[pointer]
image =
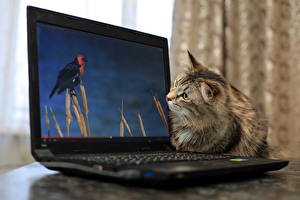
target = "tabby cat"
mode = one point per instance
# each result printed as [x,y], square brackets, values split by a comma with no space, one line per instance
[209,115]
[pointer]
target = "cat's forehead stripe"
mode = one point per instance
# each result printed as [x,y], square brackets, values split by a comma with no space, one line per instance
[205,75]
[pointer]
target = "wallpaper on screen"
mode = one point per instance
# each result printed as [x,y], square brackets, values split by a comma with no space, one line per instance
[117,71]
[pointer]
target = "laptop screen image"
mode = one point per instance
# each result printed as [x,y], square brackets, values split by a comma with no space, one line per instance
[94,86]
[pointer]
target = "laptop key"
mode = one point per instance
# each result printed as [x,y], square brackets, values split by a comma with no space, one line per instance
[126,159]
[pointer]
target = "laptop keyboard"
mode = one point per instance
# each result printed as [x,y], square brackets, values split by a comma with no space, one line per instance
[126,159]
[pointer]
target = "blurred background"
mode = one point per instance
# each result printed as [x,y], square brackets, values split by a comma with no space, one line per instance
[253,43]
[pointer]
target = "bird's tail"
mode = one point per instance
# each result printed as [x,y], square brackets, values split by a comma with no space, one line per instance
[53,91]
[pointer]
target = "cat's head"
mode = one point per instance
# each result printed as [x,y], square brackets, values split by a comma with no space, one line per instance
[198,93]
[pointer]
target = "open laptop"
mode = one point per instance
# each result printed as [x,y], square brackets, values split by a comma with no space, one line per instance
[97,105]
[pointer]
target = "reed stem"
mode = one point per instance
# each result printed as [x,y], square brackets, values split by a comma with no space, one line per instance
[126,124]
[141,125]
[121,129]
[69,117]
[85,108]
[47,121]
[57,127]
[123,119]
[78,114]
[161,112]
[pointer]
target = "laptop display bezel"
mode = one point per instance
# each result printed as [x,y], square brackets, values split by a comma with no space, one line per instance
[37,15]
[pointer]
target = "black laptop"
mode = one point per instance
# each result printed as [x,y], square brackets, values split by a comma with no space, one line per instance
[98,108]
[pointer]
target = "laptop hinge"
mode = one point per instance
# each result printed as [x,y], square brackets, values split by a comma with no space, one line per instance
[44,154]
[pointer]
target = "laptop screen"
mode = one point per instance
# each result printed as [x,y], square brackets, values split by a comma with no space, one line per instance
[94,86]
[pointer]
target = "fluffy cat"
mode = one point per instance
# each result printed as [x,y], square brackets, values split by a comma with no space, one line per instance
[209,115]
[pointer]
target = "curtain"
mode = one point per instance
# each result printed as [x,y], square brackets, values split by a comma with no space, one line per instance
[13,99]
[255,44]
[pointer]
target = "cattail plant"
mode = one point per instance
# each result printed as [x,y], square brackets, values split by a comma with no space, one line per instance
[68,112]
[57,127]
[121,129]
[124,122]
[47,120]
[160,112]
[85,108]
[78,114]
[141,125]
[121,122]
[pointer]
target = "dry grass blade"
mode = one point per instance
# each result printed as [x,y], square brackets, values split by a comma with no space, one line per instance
[121,122]
[84,99]
[80,121]
[68,112]
[79,116]
[57,127]
[47,120]
[126,124]
[161,112]
[85,107]
[141,125]
[75,100]
[163,116]
[83,125]
[121,129]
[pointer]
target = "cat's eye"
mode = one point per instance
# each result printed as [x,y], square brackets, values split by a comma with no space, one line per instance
[185,96]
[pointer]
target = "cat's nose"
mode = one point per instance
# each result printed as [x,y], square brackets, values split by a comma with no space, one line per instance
[170,96]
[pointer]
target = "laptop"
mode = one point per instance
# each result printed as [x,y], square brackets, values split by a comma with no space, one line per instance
[98,108]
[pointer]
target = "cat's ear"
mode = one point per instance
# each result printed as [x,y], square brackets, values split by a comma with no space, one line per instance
[207,92]
[195,65]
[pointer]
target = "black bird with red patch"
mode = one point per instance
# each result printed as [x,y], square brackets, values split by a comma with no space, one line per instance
[70,76]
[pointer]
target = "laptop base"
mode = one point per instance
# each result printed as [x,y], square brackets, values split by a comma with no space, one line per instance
[172,173]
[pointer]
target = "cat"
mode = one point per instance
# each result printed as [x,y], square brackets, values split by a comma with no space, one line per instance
[209,115]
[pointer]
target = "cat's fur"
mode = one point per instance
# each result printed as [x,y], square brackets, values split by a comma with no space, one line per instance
[209,115]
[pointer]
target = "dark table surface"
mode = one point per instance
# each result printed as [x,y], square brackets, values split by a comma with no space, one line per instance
[36,182]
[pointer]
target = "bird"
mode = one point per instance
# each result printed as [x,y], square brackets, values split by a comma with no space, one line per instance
[70,76]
